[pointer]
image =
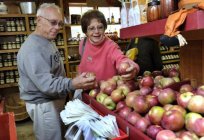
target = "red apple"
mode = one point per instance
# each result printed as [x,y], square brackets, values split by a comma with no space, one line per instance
[140,104]
[142,124]
[166,96]
[167,107]
[156,91]
[173,120]
[152,100]
[145,90]
[200,90]
[133,117]
[178,108]
[196,104]
[185,88]
[166,135]
[117,95]
[109,103]
[184,98]
[147,81]
[190,119]
[124,112]
[155,114]
[187,135]
[123,67]
[153,130]
[130,98]
[198,127]
[120,104]
[174,72]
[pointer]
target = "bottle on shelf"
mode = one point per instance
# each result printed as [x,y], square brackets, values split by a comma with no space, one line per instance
[112,19]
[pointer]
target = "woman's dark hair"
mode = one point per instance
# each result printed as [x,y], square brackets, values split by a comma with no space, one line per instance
[89,15]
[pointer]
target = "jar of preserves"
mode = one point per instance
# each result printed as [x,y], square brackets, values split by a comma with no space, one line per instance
[153,11]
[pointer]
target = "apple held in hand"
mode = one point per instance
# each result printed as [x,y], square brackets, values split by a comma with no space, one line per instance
[190,119]
[90,74]
[108,86]
[184,98]
[109,103]
[100,97]
[123,66]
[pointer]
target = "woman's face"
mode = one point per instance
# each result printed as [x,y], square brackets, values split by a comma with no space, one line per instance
[95,32]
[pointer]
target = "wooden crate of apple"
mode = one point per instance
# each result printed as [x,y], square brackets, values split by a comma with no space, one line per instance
[151,108]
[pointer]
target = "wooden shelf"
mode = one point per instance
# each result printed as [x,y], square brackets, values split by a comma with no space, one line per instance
[60,47]
[170,61]
[73,45]
[194,21]
[72,62]
[13,33]
[9,51]
[168,52]
[8,68]
[12,15]
[9,85]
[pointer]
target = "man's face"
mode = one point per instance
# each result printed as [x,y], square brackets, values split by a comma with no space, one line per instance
[50,23]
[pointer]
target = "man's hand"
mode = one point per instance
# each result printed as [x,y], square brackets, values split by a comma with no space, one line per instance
[83,82]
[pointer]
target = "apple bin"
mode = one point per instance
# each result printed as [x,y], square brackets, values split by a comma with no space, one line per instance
[123,124]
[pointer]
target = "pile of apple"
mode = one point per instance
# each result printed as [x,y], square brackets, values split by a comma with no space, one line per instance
[161,113]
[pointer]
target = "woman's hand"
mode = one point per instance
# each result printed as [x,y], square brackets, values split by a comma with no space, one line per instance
[130,74]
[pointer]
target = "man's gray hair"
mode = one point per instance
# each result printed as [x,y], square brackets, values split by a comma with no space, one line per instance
[40,11]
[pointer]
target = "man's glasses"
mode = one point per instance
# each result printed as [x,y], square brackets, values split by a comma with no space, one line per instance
[54,22]
[98,28]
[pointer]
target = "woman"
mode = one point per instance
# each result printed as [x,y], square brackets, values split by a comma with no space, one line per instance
[100,54]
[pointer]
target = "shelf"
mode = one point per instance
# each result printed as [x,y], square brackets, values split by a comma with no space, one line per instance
[72,62]
[168,52]
[8,68]
[170,61]
[9,85]
[13,33]
[194,21]
[60,47]
[9,51]
[73,45]
[12,15]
